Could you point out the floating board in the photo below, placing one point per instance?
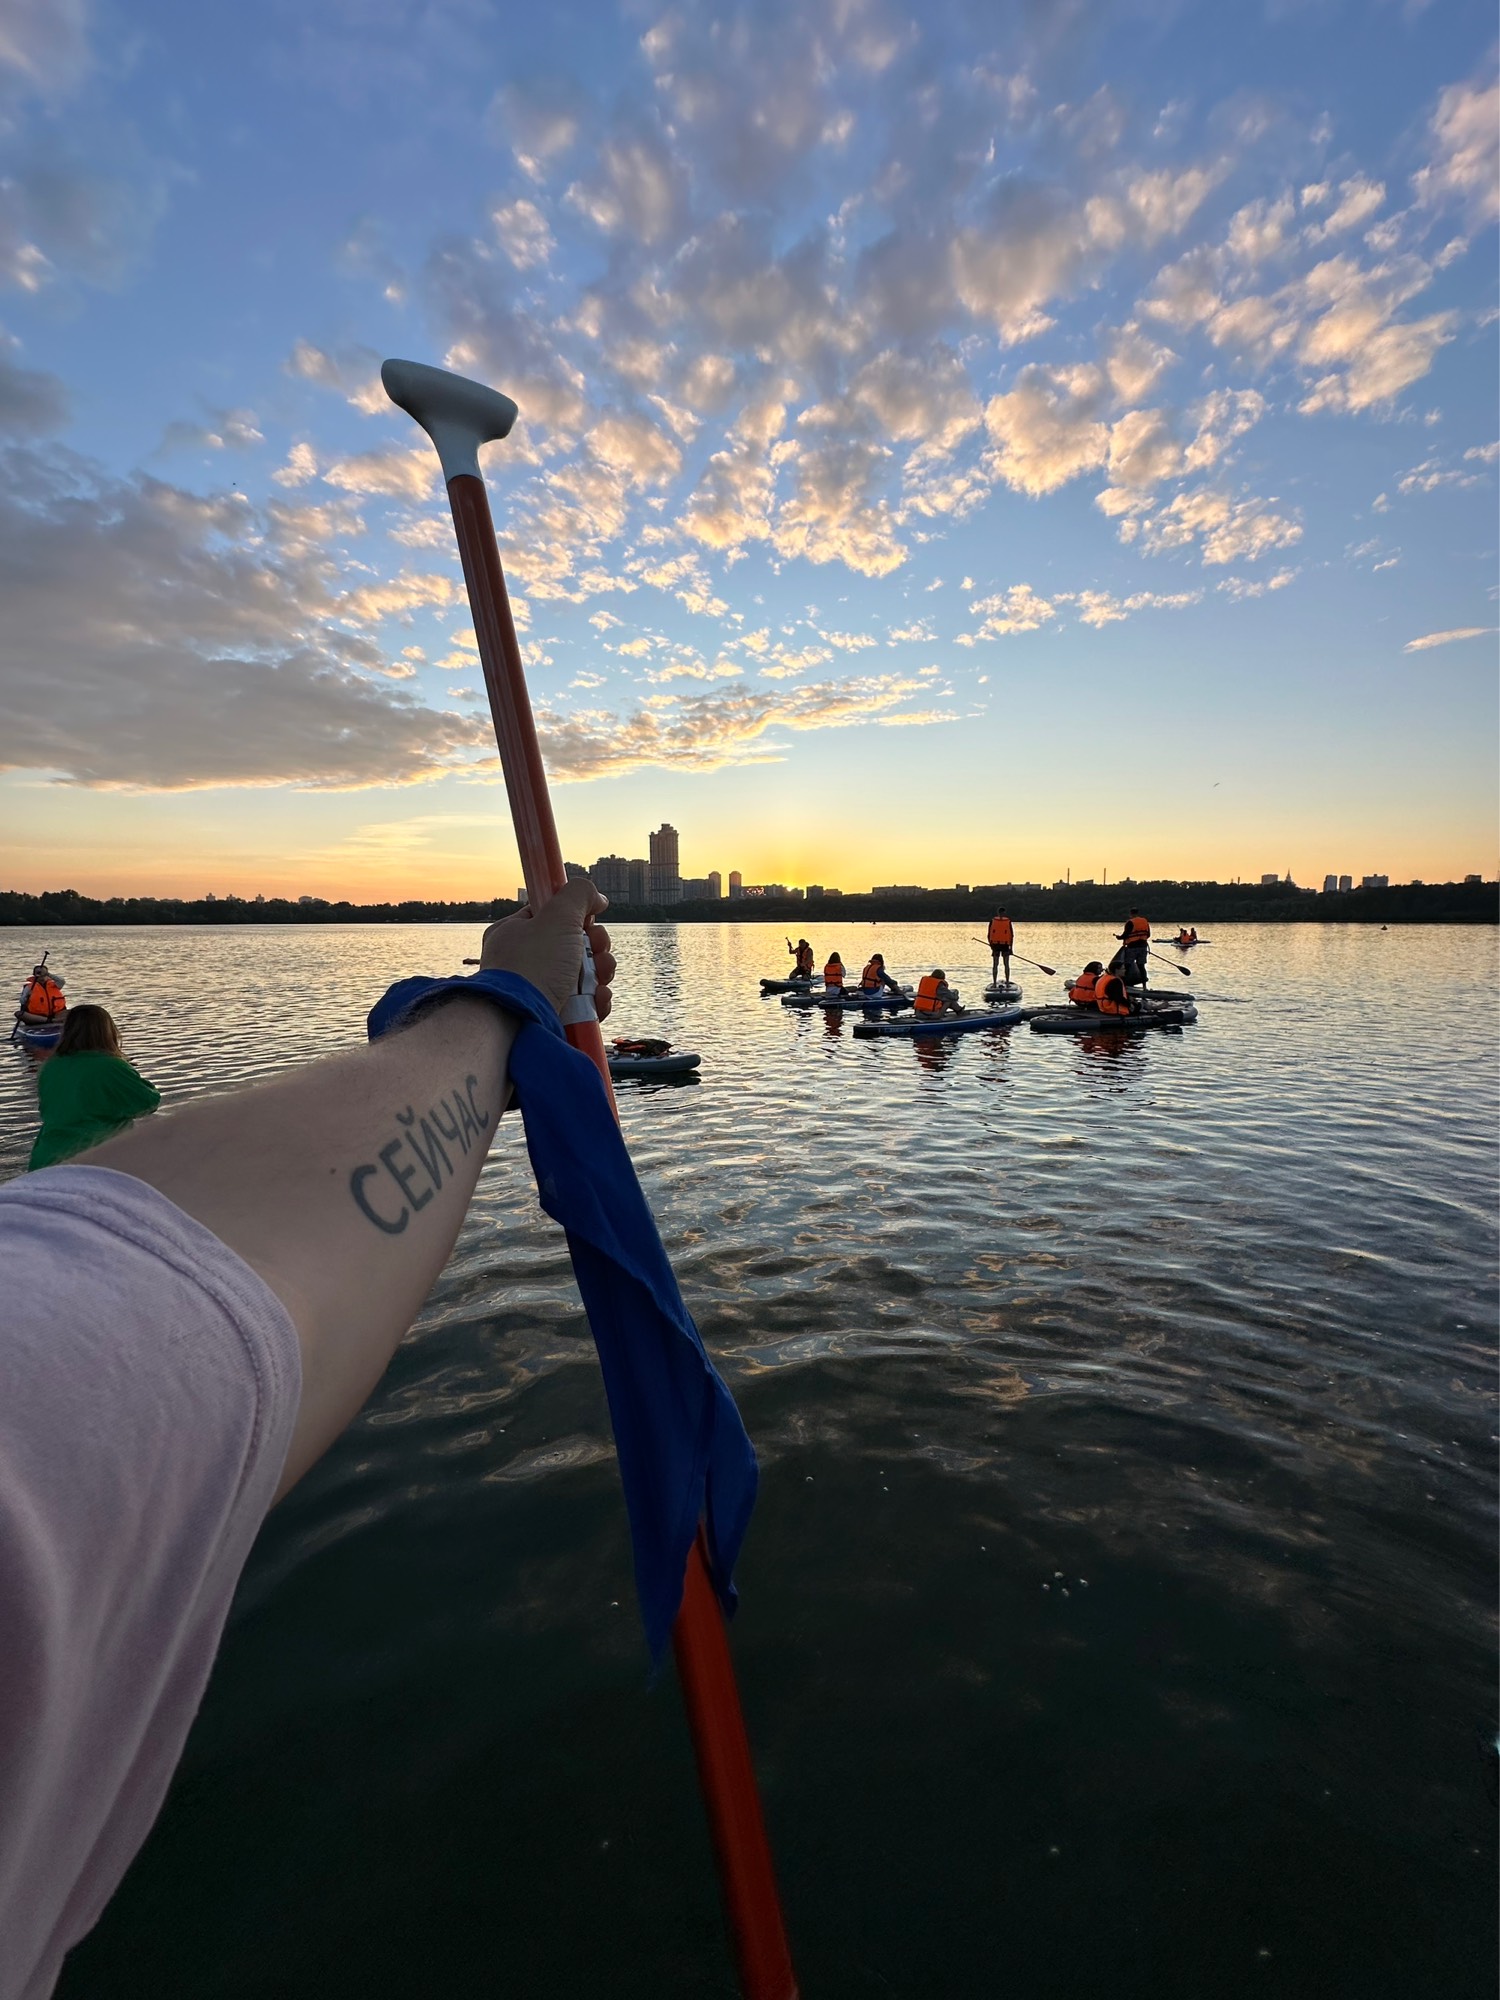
(678, 1063)
(852, 1001)
(1150, 994)
(1083, 1020)
(34, 1033)
(942, 1024)
(1002, 989)
(789, 985)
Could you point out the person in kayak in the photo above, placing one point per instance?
(875, 977)
(86, 1090)
(833, 976)
(42, 995)
(802, 954)
(1081, 992)
(935, 995)
(1135, 939)
(1002, 936)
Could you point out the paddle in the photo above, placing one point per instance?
(1050, 970)
(459, 416)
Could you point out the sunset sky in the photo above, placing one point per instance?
(963, 442)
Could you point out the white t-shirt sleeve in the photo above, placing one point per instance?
(149, 1384)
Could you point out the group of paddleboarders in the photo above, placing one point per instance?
(874, 978)
(1107, 989)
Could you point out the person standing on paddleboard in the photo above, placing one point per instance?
(1002, 936)
(1135, 939)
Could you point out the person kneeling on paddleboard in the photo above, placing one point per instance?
(833, 977)
(802, 952)
(935, 995)
(875, 976)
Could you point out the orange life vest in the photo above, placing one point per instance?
(1137, 930)
(43, 999)
(804, 962)
(872, 978)
(1184, 938)
(1002, 933)
(833, 972)
(1110, 996)
(927, 1000)
(1082, 990)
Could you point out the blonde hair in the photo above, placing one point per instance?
(88, 1028)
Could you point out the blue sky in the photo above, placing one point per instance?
(957, 444)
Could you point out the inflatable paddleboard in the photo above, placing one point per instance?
(1084, 1020)
(678, 1063)
(852, 1001)
(789, 985)
(1002, 989)
(942, 1024)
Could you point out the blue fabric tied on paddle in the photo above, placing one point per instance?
(683, 1450)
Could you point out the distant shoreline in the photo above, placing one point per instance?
(1167, 904)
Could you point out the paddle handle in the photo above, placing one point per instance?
(726, 1772)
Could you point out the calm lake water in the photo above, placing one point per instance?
(1118, 1616)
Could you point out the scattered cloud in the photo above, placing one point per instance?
(205, 645)
(709, 731)
(1430, 639)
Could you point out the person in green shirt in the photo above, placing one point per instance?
(86, 1090)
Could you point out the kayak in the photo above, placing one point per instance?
(851, 1002)
(1002, 989)
(678, 1063)
(789, 985)
(1083, 1020)
(942, 1024)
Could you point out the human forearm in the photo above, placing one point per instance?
(343, 1185)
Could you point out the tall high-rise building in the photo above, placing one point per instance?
(666, 882)
(715, 885)
(611, 873)
(1346, 883)
(1330, 885)
(736, 885)
(639, 892)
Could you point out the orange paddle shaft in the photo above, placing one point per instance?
(726, 1772)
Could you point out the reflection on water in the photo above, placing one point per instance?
(1118, 1613)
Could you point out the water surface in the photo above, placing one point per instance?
(1117, 1618)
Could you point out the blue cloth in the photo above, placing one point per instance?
(683, 1450)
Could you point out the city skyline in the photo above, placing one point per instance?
(949, 444)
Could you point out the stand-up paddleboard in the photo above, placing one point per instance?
(1002, 989)
(851, 1001)
(790, 985)
(1084, 1020)
(942, 1024)
(681, 1062)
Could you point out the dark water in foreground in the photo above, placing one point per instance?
(1118, 1615)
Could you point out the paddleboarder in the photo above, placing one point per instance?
(935, 995)
(802, 954)
(1136, 942)
(875, 977)
(833, 977)
(184, 1335)
(1001, 937)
